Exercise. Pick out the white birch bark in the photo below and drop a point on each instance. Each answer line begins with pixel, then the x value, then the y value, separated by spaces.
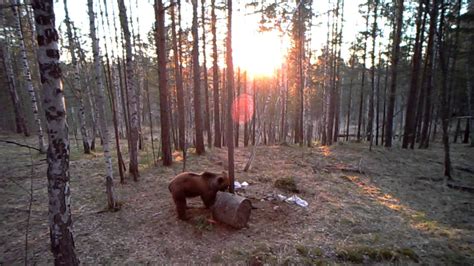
pixel 59 193
pixel 77 84
pixel 133 99
pixel 100 100
pixel 27 76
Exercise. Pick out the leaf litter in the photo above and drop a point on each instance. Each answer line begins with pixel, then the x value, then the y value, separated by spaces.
pixel 381 206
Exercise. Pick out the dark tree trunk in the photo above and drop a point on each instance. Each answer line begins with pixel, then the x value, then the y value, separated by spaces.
pixel 215 77
pixel 200 149
pixel 238 110
pixel 362 84
pixel 207 115
pixel 410 119
pixel 247 123
pixel 230 92
pixel 349 103
pixel 163 82
pixel 179 84
pixel 384 108
pixel 467 131
pixel 393 84
pixel 370 122
pixel 424 141
pixel 444 103
pixel 377 106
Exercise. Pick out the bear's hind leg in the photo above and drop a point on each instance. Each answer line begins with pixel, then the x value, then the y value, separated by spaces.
pixel 181 207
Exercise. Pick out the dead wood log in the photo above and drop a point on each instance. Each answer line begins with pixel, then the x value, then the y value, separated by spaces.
pixel 461 188
pixel 19 144
pixel 232 209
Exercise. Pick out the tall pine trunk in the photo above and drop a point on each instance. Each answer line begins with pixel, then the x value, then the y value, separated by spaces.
pixel 370 122
pixel 410 119
pixel 362 85
pixel 428 73
pixel 230 92
pixel 179 83
pixel 444 103
pixel 200 149
pixel 215 77
pixel 207 115
pixel 164 104
pixel 395 58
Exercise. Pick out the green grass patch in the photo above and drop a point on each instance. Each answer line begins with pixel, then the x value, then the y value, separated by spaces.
pixel 287 184
pixel 362 254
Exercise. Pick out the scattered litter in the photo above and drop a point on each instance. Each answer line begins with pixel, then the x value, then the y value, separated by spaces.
pixel 281 197
pixel 298 201
pixel 293 199
pixel 238 185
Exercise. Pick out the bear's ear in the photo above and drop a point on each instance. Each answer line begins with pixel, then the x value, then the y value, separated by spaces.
pixel 224 173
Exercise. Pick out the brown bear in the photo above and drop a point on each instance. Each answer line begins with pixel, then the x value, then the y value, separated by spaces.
pixel 189 185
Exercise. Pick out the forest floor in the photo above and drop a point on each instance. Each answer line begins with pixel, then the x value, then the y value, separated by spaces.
pixel 380 206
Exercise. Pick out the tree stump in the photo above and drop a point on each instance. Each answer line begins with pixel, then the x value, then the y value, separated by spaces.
pixel 231 209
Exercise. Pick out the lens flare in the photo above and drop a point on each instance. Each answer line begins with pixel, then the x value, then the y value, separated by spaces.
pixel 242 109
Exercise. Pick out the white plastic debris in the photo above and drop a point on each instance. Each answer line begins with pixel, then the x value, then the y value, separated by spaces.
pixel 281 197
pixel 298 201
pixel 237 185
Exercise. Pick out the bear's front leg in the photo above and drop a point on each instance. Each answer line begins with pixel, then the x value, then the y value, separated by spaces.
pixel 208 199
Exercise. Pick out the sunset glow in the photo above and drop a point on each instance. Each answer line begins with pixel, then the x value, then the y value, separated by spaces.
pixel 242 109
pixel 260 54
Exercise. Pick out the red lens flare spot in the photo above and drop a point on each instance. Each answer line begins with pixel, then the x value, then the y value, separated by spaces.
pixel 242 109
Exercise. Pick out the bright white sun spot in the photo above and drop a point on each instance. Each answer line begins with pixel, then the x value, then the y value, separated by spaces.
pixel 260 54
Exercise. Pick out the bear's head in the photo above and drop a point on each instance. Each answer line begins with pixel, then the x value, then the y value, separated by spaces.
pixel 221 181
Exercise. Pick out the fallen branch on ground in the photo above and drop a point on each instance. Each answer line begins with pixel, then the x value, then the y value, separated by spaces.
pixel 461 188
pixel 19 144
pixel 340 167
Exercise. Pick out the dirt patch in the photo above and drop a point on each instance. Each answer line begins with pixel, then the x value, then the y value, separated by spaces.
pixel 379 206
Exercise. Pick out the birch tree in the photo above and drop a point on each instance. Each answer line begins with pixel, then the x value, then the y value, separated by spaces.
pixel 20 122
pixel 132 95
pixel 76 83
pixel 59 193
pixel 27 76
pixel 100 102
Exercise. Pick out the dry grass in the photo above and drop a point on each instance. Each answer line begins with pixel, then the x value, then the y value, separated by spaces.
pixel 390 213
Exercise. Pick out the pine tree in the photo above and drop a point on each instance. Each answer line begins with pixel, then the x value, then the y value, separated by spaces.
pixel 163 82
pixel 200 149
pixel 394 60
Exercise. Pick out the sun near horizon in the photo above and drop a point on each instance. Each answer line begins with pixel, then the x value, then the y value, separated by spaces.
pixel 258 53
